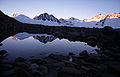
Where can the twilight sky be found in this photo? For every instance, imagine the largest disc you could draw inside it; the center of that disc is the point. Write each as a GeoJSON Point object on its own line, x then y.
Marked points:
{"type": "Point", "coordinates": [81, 9]}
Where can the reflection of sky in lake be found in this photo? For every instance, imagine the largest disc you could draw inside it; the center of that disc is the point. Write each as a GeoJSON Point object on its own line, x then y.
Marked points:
{"type": "Point", "coordinates": [31, 46]}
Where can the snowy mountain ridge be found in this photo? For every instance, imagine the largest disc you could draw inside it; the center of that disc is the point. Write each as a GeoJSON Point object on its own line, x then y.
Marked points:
{"type": "Point", "coordinates": [100, 20]}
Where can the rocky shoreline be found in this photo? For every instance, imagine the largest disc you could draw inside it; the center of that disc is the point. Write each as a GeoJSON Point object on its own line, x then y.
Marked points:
{"type": "Point", "coordinates": [103, 64]}
{"type": "Point", "coordinates": [54, 65]}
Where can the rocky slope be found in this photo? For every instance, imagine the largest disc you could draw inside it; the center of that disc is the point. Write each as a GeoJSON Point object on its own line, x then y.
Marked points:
{"type": "Point", "coordinates": [46, 17]}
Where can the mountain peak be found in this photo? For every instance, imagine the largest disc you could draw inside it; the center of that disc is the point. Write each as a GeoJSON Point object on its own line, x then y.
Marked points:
{"type": "Point", "coordinates": [14, 15]}
{"type": "Point", "coordinates": [99, 17]}
{"type": "Point", "coordinates": [46, 17]}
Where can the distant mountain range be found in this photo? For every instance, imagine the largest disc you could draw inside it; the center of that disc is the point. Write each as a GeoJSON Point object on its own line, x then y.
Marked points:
{"type": "Point", "coordinates": [100, 20]}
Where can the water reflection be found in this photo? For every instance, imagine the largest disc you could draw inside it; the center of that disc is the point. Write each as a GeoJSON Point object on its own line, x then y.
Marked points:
{"type": "Point", "coordinates": [26, 45]}
{"type": "Point", "coordinates": [44, 39]}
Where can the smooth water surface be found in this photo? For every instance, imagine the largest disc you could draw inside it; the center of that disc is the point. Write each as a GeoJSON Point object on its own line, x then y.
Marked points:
{"type": "Point", "coordinates": [27, 45]}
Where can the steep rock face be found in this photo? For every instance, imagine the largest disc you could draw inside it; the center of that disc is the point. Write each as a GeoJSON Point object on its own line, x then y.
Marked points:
{"type": "Point", "coordinates": [46, 16]}
{"type": "Point", "coordinates": [73, 18]}
{"type": "Point", "coordinates": [63, 21]}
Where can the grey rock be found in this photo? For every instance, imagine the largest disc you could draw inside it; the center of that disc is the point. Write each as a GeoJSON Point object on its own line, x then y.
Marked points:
{"type": "Point", "coordinates": [91, 38]}
{"type": "Point", "coordinates": [1, 44]}
{"type": "Point", "coordinates": [20, 59]}
{"type": "Point", "coordinates": [70, 72]}
{"type": "Point", "coordinates": [51, 73]}
{"type": "Point", "coordinates": [58, 57]}
{"type": "Point", "coordinates": [84, 53]}
{"type": "Point", "coordinates": [71, 54]}
{"type": "Point", "coordinates": [114, 66]}
{"type": "Point", "coordinates": [3, 52]}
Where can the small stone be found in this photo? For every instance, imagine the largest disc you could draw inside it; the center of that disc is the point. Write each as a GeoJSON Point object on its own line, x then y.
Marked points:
{"type": "Point", "coordinates": [70, 72]}
{"type": "Point", "coordinates": [34, 60]}
{"type": "Point", "coordinates": [114, 67]}
{"type": "Point", "coordinates": [58, 57]}
{"type": "Point", "coordinates": [59, 64]}
{"type": "Point", "coordinates": [84, 53]}
{"type": "Point", "coordinates": [108, 53]}
{"type": "Point", "coordinates": [93, 58]}
{"type": "Point", "coordinates": [3, 52]}
{"type": "Point", "coordinates": [51, 73]}
{"type": "Point", "coordinates": [92, 43]}
{"type": "Point", "coordinates": [1, 44]}
{"type": "Point", "coordinates": [71, 54]}
{"type": "Point", "coordinates": [91, 38]}
{"type": "Point", "coordinates": [43, 69]}
{"type": "Point", "coordinates": [98, 51]}
{"type": "Point", "coordinates": [20, 59]}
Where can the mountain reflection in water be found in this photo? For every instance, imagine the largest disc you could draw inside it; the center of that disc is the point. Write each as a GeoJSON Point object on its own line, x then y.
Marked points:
{"type": "Point", "coordinates": [27, 45]}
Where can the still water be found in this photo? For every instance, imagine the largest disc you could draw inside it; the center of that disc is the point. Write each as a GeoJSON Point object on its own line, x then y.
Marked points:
{"type": "Point", "coordinates": [27, 45]}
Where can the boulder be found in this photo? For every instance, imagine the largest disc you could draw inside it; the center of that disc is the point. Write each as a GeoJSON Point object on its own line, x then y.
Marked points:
{"type": "Point", "coordinates": [58, 57]}
{"type": "Point", "coordinates": [59, 64]}
{"type": "Point", "coordinates": [70, 72]}
{"type": "Point", "coordinates": [1, 44]}
{"type": "Point", "coordinates": [108, 52]}
{"type": "Point", "coordinates": [114, 67]}
{"type": "Point", "coordinates": [51, 73]}
{"type": "Point", "coordinates": [3, 52]}
{"type": "Point", "coordinates": [92, 43]}
{"type": "Point", "coordinates": [93, 73]}
{"type": "Point", "coordinates": [99, 51]}
{"type": "Point", "coordinates": [91, 38]}
{"type": "Point", "coordinates": [84, 53]}
{"type": "Point", "coordinates": [93, 58]}
{"type": "Point", "coordinates": [20, 59]}
{"type": "Point", "coordinates": [38, 61]}
{"type": "Point", "coordinates": [71, 54]}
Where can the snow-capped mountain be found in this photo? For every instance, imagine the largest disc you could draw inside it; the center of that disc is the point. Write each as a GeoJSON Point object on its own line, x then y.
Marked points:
{"type": "Point", "coordinates": [112, 20]}
{"type": "Point", "coordinates": [46, 17]}
{"type": "Point", "coordinates": [96, 18]}
{"type": "Point", "coordinates": [74, 19]}
{"type": "Point", "coordinates": [25, 19]}
{"type": "Point", "coordinates": [99, 20]}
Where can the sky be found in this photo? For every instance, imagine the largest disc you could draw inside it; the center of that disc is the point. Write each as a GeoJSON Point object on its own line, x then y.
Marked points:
{"type": "Point", "coordinates": [81, 9]}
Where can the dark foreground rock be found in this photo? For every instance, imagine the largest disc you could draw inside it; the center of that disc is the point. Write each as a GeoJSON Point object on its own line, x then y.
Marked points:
{"type": "Point", "coordinates": [92, 65]}
{"type": "Point", "coordinates": [1, 44]}
{"type": "Point", "coordinates": [3, 52]}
